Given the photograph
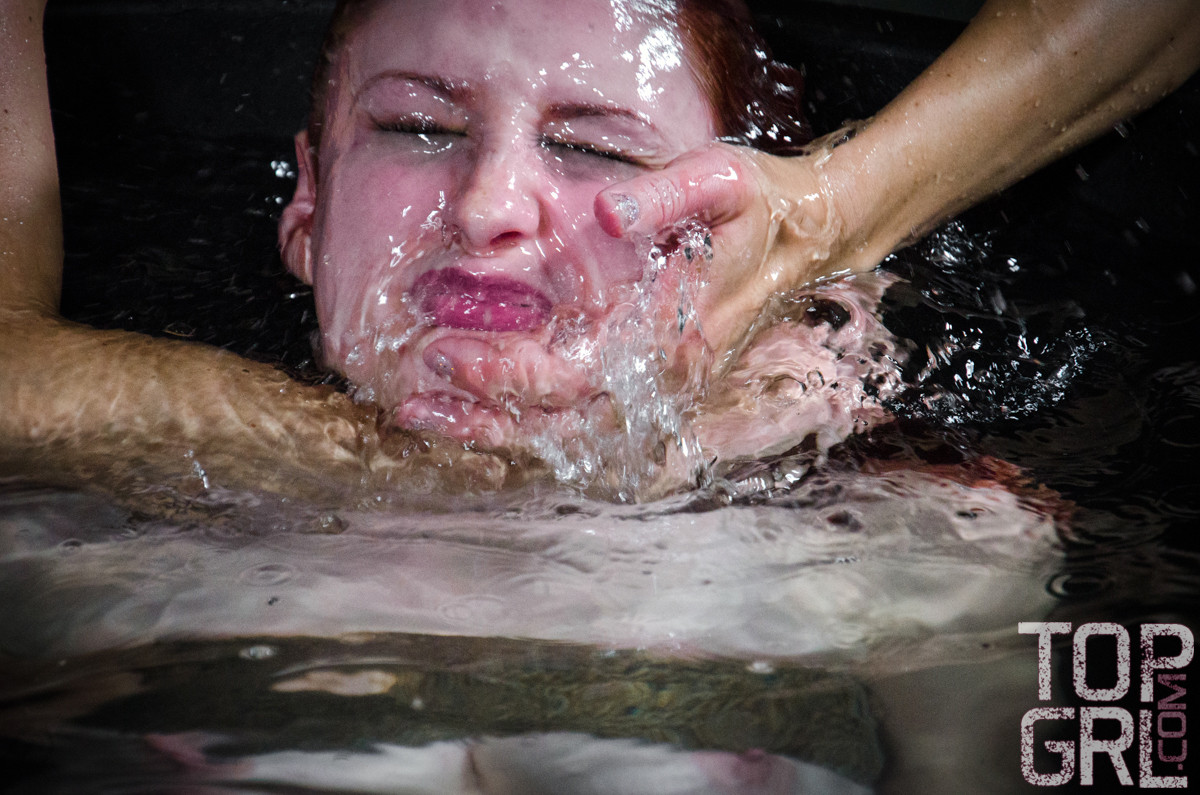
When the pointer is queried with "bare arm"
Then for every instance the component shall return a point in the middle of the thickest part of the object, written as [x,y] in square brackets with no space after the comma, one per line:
[30,214]
[1026,82]
[74,399]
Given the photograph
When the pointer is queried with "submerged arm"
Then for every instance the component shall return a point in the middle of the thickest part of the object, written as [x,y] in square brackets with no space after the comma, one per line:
[74,399]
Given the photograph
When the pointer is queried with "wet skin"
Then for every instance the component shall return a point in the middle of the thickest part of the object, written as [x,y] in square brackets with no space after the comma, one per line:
[448,225]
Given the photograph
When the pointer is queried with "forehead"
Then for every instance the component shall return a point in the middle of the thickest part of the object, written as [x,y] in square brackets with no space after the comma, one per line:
[624,52]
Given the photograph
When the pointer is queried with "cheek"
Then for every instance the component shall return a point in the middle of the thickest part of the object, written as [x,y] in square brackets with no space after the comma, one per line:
[377,202]
[368,229]
[604,261]
[617,261]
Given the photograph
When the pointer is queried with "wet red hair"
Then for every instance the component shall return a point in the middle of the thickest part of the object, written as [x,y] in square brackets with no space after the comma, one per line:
[756,100]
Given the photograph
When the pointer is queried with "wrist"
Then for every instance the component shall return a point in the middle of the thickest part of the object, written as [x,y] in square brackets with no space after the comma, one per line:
[868,213]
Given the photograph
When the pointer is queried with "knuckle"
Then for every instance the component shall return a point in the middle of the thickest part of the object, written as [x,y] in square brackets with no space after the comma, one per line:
[668,197]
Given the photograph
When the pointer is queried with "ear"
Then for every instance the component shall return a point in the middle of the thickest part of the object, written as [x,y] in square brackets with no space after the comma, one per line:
[295,226]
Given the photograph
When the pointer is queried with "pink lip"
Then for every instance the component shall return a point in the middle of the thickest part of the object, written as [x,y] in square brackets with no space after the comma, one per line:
[457,299]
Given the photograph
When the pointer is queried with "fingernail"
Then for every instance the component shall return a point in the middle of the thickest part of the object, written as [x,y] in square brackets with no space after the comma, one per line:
[627,207]
[440,363]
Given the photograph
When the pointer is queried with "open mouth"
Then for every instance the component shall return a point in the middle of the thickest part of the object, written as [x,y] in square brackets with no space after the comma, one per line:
[456,299]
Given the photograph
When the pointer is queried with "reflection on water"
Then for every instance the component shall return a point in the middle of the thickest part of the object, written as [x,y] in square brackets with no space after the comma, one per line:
[703,644]
[838,565]
[409,708]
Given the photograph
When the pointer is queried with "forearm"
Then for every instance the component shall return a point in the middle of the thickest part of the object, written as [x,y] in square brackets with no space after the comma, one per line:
[1024,84]
[73,393]
[71,396]
[30,213]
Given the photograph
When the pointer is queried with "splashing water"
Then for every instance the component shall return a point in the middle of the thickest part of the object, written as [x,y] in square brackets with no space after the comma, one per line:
[989,354]
[651,381]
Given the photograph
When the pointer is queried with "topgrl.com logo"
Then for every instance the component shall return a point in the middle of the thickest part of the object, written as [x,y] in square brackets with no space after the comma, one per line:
[1161,726]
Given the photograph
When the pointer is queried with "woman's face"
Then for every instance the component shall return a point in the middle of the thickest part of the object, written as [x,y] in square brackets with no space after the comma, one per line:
[457,263]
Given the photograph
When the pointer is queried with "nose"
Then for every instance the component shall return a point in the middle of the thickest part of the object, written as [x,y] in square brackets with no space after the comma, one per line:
[499,204]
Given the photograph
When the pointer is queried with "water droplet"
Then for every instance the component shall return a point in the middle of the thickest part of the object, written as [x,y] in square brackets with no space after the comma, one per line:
[268,574]
[261,652]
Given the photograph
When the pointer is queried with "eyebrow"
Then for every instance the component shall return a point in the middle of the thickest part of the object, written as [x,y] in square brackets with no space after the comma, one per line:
[562,111]
[454,91]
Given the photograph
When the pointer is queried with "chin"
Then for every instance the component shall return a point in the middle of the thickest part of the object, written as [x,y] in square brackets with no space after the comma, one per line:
[518,429]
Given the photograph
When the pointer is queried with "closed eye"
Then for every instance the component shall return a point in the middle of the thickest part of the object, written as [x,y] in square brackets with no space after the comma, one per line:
[419,126]
[419,134]
[571,147]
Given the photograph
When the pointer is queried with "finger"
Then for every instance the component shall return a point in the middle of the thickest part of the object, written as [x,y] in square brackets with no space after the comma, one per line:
[522,372]
[713,184]
[480,423]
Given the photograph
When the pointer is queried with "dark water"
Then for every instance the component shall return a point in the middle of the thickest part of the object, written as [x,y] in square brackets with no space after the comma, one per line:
[1056,327]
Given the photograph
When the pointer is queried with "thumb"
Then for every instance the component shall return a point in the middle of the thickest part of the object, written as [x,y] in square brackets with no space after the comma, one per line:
[713,184]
